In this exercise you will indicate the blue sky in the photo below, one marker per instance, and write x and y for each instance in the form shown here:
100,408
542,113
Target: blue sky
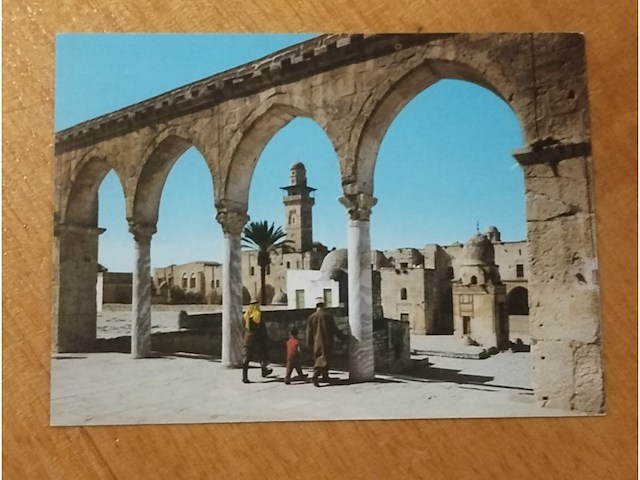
444,163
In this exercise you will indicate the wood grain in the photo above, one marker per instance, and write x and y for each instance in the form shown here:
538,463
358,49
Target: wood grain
581,448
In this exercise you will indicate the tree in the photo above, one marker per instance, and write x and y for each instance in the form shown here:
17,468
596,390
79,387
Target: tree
264,239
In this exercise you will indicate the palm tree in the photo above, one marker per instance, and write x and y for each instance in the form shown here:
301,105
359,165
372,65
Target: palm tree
265,239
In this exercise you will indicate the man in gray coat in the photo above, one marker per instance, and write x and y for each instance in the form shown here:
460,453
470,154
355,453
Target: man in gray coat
321,328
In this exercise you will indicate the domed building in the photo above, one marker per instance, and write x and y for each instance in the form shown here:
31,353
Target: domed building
335,264
479,297
479,265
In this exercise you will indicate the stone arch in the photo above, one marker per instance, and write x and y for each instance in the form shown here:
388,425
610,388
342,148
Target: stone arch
82,200
398,94
518,301
166,149
252,138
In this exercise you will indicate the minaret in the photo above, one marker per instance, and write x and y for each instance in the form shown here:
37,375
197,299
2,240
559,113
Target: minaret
297,209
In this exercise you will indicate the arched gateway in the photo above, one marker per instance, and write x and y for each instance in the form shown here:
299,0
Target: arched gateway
352,86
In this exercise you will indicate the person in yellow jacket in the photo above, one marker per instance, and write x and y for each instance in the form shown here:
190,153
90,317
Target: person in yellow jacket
255,346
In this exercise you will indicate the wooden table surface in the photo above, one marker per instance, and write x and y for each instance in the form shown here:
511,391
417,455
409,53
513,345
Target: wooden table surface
581,448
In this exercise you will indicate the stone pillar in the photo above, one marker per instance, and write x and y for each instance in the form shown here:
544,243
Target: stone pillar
232,330
141,295
564,315
74,287
361,361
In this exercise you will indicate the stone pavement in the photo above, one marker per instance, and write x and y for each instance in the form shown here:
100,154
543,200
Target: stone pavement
112,388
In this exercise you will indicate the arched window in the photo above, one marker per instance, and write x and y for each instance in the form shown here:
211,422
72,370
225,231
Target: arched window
184,280
192,281
474,280
403,294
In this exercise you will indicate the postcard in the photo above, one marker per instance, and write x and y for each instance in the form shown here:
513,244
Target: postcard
278,227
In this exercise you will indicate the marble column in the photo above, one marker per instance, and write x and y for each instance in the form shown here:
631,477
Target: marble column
232,224
141,295
361,354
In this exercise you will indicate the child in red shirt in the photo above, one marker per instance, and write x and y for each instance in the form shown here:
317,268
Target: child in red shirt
293,356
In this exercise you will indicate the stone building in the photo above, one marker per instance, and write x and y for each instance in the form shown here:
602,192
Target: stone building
479,297
201,278
302,253
415,285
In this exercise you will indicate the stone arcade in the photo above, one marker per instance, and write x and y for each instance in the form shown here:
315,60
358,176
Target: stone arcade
352,86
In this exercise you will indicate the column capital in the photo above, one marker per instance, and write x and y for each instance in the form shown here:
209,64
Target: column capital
142,232
232,221
358,205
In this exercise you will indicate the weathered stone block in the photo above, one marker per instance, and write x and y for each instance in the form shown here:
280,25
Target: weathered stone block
561,193
552,373
589,382
564,312
562,250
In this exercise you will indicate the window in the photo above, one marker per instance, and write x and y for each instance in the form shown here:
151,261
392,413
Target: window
520,270
326,294
404,317
288,264
299,299
404,265
217,283
252,271
212,284
474,280
403,294
184,280
192,281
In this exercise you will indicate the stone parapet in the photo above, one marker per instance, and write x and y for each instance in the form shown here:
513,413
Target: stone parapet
317,55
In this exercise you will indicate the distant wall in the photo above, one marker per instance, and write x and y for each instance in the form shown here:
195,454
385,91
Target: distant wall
202,334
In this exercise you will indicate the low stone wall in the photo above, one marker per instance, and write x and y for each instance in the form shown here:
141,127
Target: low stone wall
202,334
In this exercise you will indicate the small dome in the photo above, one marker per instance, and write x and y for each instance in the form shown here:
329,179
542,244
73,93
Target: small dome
279,298
298,166
334,263
493,234
479,250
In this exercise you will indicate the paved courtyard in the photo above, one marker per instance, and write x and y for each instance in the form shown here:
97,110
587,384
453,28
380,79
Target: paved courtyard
112,388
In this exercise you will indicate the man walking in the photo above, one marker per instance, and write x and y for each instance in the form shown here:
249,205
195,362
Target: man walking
321,328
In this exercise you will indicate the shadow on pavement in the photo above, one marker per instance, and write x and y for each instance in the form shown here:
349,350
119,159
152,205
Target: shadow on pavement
426,373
